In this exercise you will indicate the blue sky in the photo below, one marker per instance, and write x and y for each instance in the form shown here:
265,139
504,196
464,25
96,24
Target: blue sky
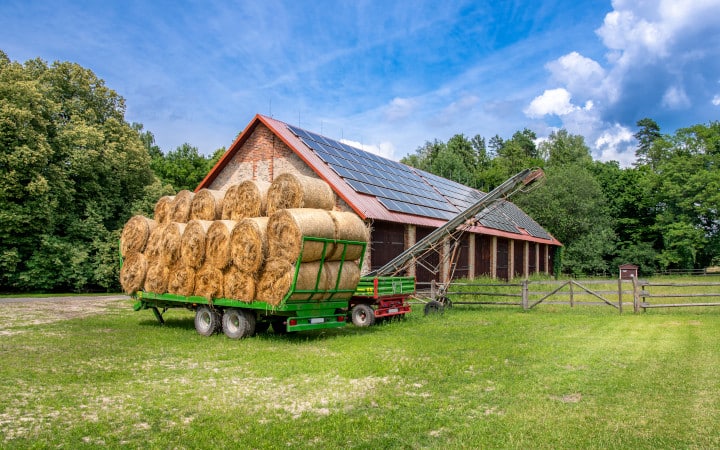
388,75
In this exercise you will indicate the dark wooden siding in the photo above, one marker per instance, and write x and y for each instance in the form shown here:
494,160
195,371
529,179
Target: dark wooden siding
502,258
483,247
532,267
543,261
424,269
462,269
518,254
388,241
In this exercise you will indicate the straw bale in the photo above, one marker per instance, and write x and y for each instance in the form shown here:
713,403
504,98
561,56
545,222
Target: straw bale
157,277
181,280
153,249
290,190
277,277
132,273
239,285
209,282
217,243
163,209
286,228
207,204
192,243
181,207
248,244
135,234
232,207
171,243
348,226
349,278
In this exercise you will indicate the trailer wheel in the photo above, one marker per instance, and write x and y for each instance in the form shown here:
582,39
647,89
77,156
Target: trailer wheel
207,320
362,315
238,323
433,307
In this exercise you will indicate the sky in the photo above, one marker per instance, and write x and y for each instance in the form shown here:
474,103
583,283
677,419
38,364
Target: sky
386,75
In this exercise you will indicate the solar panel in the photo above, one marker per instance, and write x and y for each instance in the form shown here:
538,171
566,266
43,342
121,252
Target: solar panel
407,190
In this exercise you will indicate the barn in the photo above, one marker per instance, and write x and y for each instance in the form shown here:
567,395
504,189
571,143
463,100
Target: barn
401,204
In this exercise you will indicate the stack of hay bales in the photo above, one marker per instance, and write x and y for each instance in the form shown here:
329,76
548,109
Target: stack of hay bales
243,243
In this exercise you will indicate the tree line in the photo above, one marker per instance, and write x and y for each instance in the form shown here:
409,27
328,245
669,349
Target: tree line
73,171
660,214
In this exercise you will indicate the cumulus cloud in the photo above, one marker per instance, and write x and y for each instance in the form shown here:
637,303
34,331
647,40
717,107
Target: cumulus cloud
400,108
657,62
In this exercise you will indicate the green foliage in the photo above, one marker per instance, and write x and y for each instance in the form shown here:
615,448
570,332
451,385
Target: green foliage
70,169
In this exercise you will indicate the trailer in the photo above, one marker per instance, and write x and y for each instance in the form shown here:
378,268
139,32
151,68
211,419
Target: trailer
381,294
318,307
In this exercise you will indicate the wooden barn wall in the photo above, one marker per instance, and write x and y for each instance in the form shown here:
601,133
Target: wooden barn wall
462,265
543,259
483,247
532,260
430,261
387,241
519,258
503,258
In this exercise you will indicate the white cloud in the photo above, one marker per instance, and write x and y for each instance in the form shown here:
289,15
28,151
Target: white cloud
384,149
400,108
676,98
616,143
716,100
552,101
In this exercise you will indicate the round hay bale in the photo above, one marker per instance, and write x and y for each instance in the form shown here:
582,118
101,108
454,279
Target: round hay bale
181,280
299,191
153,249
248,244
231,209
286,228
277,277
239,285
171,245
192,243
252,198
348,226
135,234
348,279
209,282
163,209
207,204
217,243
180,211
132,273
157,278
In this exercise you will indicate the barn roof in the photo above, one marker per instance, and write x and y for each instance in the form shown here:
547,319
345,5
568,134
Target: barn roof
381,189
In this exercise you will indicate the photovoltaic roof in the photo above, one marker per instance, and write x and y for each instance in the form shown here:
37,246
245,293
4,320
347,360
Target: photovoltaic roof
404,189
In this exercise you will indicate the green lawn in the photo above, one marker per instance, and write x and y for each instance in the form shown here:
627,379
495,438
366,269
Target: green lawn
473,377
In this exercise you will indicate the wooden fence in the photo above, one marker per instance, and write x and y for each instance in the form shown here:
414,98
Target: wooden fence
615,293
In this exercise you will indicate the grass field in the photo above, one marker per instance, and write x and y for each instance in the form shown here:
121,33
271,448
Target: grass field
473,377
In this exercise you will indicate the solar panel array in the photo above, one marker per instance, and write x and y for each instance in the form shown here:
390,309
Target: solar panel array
404,189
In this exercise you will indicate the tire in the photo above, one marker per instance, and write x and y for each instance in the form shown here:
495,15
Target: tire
238,323
362,315
445,301
433,307
207,320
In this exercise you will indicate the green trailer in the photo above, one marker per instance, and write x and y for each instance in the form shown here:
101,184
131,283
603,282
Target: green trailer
319,307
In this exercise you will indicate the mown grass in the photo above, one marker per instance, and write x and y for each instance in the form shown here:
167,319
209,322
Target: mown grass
473,377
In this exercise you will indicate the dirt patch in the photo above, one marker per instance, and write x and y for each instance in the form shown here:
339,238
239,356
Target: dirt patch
21,313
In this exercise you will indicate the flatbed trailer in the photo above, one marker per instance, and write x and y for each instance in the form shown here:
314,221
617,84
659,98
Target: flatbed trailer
299,309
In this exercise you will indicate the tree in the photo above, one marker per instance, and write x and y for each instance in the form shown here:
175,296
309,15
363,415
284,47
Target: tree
71,168
183,168
648,133
563,148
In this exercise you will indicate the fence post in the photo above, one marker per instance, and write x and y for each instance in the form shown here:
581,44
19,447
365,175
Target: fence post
525,299
433,287
572,295
636,295
620,301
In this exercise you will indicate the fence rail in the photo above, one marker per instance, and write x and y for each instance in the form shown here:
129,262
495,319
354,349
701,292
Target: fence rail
615,293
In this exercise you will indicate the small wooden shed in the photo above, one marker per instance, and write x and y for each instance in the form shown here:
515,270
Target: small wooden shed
628,271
